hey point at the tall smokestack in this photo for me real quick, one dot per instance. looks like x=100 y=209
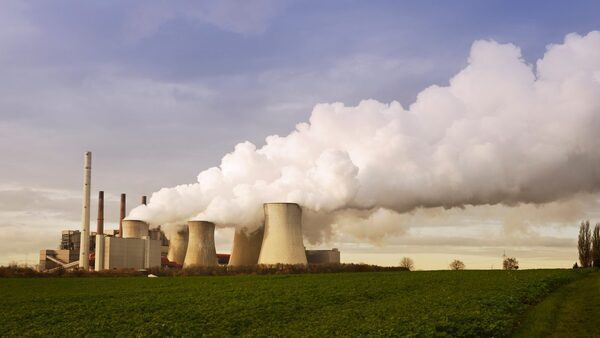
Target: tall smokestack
x=282 y=242
x=100 y=224
x=201 y=244
x=123 y=207
x=144 y=200
x=84 y=245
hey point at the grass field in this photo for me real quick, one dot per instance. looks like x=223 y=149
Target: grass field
x=571 y=311
x=464 y=303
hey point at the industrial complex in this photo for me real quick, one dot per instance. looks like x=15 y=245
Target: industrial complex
x=137 y=246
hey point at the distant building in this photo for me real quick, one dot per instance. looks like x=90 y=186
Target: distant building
x=323 y=256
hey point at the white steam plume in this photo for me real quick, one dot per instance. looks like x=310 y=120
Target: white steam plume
x=502 y=131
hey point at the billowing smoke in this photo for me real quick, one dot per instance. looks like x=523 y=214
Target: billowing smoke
x=502 y=131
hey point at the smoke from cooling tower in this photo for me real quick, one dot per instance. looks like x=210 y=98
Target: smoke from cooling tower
x=502 y=131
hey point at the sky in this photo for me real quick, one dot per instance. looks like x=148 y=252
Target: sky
x=160 y=91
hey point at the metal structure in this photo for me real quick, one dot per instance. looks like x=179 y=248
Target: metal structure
x=134 y=229
x=201 y=249
x=178 y=244
x=84 y=249
x=246 y=247
x=282 y=241
x=144 y=200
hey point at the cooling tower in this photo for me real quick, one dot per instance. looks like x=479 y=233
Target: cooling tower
x=178 y=244
x=201 y=244
x=134 y=229
x=246 y=247
x=282 y=242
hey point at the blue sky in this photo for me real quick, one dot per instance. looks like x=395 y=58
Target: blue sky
x=161 y=90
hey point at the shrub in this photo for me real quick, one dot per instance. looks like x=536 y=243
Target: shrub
x=221 y=270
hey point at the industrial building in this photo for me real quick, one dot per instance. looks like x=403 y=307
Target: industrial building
x=135 y=246
x=323 y=256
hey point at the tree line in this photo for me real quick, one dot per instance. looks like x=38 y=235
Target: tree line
x=588 y=246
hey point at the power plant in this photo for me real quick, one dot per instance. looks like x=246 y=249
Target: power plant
x=137 y=246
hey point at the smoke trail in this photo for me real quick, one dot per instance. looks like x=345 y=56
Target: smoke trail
x=502 y=131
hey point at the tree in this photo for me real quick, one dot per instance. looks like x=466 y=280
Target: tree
x=584 y=245
x=575 y=266
x=408 y=263
x=596 y=246
x=510 y=263
x=457 y=265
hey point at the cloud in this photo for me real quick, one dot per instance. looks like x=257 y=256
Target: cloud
x=236 y=16
x=501 y=132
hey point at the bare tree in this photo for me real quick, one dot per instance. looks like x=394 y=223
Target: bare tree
x=510 y=263
x=584 y=245
x=596 y=246
x=408 y=263
x=457 y=265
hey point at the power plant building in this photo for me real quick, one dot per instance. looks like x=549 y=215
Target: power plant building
x=136 y=246
x=323 y=256
x=135 y=250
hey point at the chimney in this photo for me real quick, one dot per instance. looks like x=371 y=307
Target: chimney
x=84 y=246
x=99 y=254
x=123 y=201
x=100 y=224
x=144 y=200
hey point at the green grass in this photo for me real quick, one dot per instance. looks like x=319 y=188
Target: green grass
x=442 y=303
x=571 y=311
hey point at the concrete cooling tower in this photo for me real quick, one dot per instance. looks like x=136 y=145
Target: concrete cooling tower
x=201 y=245
x=246 y=247
x=178 y=244
x=134 y=229
x=282 y=242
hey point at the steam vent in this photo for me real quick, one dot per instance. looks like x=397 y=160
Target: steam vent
x=246 y=247
x=178 y=245
x=201 y=244
x=282 y=242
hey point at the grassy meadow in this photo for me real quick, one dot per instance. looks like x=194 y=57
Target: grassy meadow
x=429 y=303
